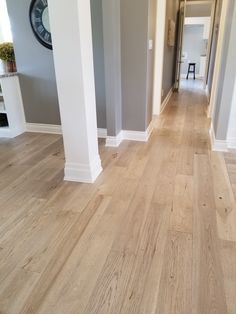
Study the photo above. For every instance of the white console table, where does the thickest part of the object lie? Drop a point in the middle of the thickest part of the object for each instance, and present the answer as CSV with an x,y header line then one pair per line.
x,y
11,105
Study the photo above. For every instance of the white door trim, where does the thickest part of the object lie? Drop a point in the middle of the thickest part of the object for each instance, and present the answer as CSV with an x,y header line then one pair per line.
x,y
159,56
210,39
218,60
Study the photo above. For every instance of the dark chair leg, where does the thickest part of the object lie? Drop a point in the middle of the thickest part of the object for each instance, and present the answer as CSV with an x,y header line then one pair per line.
x,y
192,70
188,72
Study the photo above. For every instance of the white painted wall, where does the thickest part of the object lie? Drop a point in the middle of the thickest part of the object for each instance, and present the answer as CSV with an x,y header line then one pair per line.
x,y
5,27
190,52
205,21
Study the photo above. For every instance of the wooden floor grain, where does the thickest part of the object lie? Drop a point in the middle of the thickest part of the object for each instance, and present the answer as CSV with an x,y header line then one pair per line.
x,y
156,233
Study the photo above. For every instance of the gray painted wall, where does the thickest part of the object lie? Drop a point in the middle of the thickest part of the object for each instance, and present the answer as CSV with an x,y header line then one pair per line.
x,y
98,55
193,51
36,68
134,34
169,52
127,106
227,77
137,26
112,57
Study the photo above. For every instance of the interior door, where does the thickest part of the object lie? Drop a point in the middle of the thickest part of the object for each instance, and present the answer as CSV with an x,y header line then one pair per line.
x,y
179,44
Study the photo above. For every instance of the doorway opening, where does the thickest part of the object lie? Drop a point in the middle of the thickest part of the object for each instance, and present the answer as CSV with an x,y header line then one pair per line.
x,y
194,55
194,47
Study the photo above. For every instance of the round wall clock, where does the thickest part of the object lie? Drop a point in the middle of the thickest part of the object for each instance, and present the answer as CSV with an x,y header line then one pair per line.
x,y
39,19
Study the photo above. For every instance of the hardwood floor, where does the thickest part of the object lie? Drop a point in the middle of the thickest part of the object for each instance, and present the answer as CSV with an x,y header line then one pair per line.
x,y
155,234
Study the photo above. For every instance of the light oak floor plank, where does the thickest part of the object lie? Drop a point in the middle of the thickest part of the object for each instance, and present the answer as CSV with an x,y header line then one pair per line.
x,y
208,292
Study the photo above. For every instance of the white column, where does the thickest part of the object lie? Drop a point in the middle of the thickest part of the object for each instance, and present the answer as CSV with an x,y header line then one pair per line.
x,y
73,57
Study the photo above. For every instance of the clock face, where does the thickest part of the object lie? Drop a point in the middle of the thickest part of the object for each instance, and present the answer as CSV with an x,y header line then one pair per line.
x,y
39,19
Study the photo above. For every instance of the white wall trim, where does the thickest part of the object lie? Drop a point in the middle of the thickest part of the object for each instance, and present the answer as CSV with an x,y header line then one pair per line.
x,y
221,145
114,141
43,128
102,133
139,136
159,55
231,143
167,99
217,145
86,173
209,46
111,141
218,59
55,129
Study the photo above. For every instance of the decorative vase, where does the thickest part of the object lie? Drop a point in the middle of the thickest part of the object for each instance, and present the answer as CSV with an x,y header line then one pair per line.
x,y
11,66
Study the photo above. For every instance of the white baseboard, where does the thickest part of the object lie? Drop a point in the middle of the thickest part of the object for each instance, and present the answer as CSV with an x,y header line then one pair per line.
x,y
217,145
43,128
232,138
102,133
55,129
166,100
222,145
83,172
139,136
111,141
231,143
114,141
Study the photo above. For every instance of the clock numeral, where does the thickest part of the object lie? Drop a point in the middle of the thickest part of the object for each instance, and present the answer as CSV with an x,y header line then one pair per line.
x,y
44,2
37,20
47,36
39,10
40,29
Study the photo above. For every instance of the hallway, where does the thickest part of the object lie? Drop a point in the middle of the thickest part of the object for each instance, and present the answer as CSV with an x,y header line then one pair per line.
x,y
156,233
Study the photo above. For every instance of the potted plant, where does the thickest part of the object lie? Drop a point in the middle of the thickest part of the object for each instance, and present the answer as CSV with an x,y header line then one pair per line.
x,y
8,56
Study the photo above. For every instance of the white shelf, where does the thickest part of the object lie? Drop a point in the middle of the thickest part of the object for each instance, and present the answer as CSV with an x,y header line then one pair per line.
x,y
11,104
